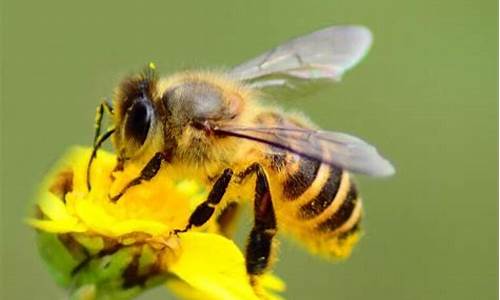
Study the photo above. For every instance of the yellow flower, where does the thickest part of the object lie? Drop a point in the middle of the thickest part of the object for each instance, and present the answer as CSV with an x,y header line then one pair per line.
x,y
104,250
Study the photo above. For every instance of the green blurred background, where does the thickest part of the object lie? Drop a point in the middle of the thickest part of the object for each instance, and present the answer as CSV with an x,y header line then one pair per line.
x,y
426,95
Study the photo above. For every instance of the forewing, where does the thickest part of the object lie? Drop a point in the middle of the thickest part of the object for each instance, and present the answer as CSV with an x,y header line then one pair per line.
x,y
338,149
321,56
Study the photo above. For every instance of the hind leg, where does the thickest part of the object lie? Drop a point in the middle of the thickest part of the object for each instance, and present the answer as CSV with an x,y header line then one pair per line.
x,y
260,240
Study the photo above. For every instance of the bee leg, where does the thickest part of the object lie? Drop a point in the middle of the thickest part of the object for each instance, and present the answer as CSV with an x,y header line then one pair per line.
x,y
105,106
205,210
98,138
147,173
227,219
96,147
259,245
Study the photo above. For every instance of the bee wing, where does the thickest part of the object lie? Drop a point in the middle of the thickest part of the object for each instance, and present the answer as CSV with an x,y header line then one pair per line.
x,y
321,56
338,149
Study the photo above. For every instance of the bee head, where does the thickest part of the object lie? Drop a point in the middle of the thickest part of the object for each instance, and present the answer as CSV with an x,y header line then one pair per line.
x,y
174,117
135,114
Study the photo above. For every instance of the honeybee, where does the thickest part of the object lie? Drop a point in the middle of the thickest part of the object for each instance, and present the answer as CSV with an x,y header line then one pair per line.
x,y
218,128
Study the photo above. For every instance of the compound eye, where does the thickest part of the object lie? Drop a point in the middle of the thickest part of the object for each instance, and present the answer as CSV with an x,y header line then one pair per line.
x,y
138,122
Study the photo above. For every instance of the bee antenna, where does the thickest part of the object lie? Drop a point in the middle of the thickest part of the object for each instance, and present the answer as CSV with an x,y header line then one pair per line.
x,y
149,73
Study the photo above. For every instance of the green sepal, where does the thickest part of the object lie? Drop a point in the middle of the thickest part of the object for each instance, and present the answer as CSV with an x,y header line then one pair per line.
x,y
59,260
121,273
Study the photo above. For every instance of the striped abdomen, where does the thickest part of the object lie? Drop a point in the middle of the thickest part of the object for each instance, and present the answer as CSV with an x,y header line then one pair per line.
x,y
325,202
319,203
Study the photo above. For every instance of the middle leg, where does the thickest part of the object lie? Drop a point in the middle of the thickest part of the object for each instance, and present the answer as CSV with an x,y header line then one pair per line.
x,y
206,209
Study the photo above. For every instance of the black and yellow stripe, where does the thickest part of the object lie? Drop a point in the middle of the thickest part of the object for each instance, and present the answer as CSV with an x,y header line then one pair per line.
x,y
324,196
343,214
296,184
334,210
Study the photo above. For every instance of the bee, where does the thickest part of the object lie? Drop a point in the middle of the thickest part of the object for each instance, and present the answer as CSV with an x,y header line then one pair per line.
x,y
217,127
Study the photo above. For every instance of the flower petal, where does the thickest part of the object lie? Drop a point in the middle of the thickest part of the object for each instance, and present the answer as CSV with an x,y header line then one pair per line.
x,y
53,207
57,226
269,286
213,265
